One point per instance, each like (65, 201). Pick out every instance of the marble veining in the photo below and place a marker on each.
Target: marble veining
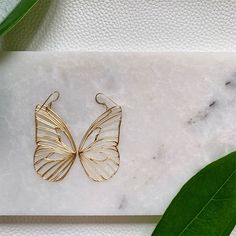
(203, 114)
(123, 203)
(179, 114)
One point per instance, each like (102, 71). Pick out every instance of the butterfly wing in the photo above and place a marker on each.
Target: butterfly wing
(98, 150)
(55, 151)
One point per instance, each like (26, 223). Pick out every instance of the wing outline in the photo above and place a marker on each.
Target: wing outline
(52, 157)
(100, 156)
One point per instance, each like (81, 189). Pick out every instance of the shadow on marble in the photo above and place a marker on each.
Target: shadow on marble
(79, 219)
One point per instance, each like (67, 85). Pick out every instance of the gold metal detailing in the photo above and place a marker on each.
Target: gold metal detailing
(56, 151)
(98, 150)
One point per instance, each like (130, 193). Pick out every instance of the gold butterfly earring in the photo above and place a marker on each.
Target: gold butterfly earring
(56, 151)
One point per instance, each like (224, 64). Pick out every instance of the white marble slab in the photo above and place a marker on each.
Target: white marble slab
(179, 114)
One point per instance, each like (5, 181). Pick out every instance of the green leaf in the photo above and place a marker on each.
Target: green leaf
(206, 204)
(16, 15)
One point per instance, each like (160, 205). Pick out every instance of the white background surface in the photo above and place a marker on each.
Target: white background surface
(124, 26)
(127, 25)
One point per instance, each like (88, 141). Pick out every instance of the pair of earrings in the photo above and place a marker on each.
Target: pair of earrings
(56, 151)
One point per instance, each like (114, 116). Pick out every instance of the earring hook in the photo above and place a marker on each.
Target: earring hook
(105, 103)
(54, 100)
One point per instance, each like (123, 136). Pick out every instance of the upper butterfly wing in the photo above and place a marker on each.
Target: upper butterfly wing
(56, 151)
(98, 150)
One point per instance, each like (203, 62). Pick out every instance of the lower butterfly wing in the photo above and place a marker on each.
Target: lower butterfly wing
(98, 150)
(55, 151)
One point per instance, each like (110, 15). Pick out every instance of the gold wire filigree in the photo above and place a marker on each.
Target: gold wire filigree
(56, 151)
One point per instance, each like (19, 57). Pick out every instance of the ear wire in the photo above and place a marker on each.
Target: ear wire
(104, 103)
(54, 100)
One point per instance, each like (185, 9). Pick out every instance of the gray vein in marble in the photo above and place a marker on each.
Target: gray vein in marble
(123, 203)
